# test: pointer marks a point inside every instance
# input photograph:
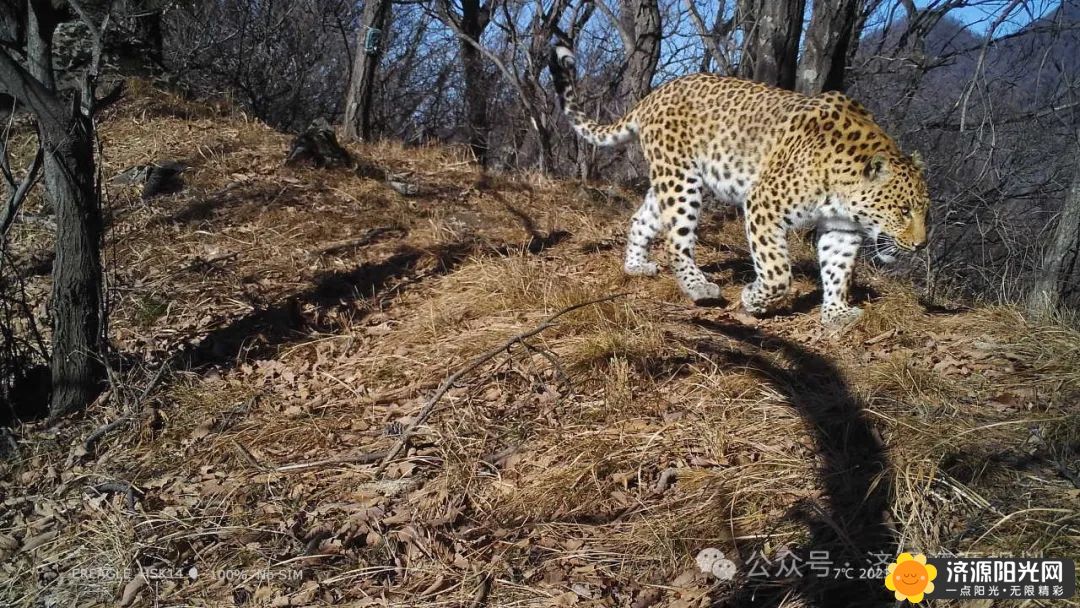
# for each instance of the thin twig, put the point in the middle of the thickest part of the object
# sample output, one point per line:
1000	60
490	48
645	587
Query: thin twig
369	458
366	239
91	441
568	385
20	192
425	411
207	263
495	458
247	455
482	590
1063	470
150	386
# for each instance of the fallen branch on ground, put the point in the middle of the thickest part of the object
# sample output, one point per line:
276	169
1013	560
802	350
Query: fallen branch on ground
368	458
666	479
91	441
482	590
425	411
560	373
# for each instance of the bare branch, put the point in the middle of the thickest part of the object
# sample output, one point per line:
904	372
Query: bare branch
627	37
709	39
19	83
19	193
982	59
1007	120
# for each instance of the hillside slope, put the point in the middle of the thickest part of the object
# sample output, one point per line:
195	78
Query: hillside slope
305	317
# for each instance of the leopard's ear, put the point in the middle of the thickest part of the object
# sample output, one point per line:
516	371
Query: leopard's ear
877	168
917	160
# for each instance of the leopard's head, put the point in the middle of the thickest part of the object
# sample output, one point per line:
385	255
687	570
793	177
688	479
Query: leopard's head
888	197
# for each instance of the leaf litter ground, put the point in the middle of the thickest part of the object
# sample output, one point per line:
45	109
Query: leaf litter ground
305	315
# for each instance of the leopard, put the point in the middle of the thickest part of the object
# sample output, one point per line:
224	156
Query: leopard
791	162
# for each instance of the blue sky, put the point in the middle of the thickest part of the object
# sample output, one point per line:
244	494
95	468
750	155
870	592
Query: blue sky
982	13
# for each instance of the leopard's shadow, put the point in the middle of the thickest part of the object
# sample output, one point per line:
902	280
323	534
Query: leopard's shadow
742	269
806	302
849	519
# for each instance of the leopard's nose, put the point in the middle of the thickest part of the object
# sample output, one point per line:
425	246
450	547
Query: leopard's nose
920	246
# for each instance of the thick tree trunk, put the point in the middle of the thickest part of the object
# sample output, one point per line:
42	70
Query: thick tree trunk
1061	255
474	19
66	131
469	26
828	37
641	59
369	51
772	29
476	102
77	369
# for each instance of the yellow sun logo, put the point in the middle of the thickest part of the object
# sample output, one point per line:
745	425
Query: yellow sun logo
911	577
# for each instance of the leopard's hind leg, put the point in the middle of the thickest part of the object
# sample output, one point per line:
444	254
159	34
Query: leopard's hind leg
643	229
767	236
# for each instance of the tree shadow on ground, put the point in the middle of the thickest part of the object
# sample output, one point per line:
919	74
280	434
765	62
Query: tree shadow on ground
292	319
248	197
261	331
538	241
851	522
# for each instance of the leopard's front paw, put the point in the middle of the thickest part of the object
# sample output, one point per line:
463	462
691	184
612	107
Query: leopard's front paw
840	316
754	302
641	269
704	292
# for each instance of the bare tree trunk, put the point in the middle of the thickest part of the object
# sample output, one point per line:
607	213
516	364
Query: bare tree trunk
77	368
828	37
644	54
42	20
474	19
772	29
468	26
1061	255
66	130
710	37
361	88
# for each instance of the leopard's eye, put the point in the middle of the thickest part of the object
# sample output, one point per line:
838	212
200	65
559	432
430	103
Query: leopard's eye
905	211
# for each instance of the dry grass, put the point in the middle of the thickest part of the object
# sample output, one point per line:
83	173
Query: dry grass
311	313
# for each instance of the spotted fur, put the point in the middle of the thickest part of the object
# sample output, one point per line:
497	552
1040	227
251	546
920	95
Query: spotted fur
789	160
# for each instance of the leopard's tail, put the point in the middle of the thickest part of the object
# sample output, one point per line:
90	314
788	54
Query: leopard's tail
562	65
